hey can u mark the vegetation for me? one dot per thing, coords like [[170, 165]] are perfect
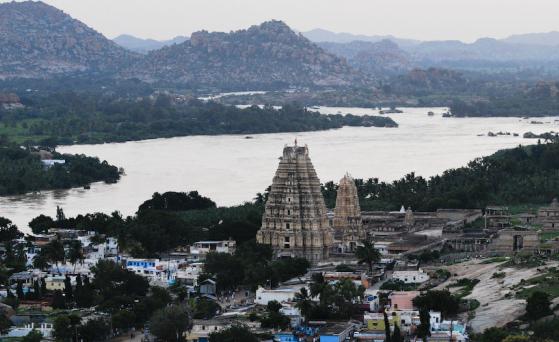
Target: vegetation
[[519, 175], [170, 323], [367, 254], [335, 301], [438, 300], [234, 333], [21, 171], [250, 266], [68, 118], [538, 305]]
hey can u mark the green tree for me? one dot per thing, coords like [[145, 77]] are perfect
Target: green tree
[[537, 305], [387, 336], [41, 224], [304, 303], [123, 319], [65, 327], [424, 329], [236, 333], [438, 300], [94, 330], [8, 230], [170, 323], [58, 300], [367, 254], [396, 335], [33, 336]]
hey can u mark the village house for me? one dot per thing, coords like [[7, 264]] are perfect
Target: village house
[[548, 217], [411, 277], [199, 249]]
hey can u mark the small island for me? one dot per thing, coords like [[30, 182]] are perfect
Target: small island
[[26, 170]]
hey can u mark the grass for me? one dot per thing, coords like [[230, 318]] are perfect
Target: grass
[[548, 283], [544, 236], [530, 208], [467, 286]]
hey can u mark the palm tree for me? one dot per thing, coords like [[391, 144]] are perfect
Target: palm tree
[[303, 302], [367, 254], [74, 253]]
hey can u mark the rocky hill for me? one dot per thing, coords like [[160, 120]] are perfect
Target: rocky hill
[[383, 58], [266, 56], [38, 40]]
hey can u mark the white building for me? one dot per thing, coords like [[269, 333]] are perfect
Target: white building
[[48, 163], [284, 294], [199, 249], [411, 277], [45, 329], [157, 271], [189, 275]]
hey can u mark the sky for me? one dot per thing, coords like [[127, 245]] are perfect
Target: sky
[[465, 20]]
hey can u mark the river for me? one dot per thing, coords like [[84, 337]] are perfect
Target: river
[[231, 169]]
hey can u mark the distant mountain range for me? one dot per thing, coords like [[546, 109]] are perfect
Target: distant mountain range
[[145, 45], [40, 41]]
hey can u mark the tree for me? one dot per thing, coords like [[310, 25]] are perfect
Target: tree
[[53, 252], [65, 327], [123, 319], [19, 290], [492, 334], [396, 335], [367, 254], [438, 300], [236, 333], [75, 253], [424, 329], [303, 302], [95, 330], [170, 323], [8, 230], [537, 306], [33, 336], [60, 217], [41, 224], [68, 291], [387, 336], [516, 338], [274, 318], [5, 324], [58, 301]]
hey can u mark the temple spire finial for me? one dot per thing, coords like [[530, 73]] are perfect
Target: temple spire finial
[[295, 141]]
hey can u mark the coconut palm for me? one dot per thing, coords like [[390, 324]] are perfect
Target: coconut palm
[[367, 254]]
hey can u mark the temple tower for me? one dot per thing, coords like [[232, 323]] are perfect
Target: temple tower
[[295, 221], [347, 223]]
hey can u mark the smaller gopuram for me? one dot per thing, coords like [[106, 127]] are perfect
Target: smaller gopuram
[[347, 223]]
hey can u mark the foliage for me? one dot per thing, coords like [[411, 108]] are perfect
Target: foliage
[[537, 305], [8, 230], [438, 300], [274, 318], [21, 171], [96, 329], [205, 308], [519, 175], [251, 265], [66, 118], [177, 201], [424, 329], [397, 285], [367, 254], [170, 323], [65, 327], [235, 333], [32, 336]]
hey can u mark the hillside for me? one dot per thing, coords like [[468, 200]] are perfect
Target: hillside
[[39, 40], [141, 45], [266, 56], [379, 58]]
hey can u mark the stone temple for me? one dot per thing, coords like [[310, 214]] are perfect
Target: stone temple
[[347, 222], [295, 221]]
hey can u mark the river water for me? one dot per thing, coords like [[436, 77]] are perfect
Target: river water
[[231, 169]]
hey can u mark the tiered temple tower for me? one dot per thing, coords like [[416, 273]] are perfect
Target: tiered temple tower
[[347, 223], [295, 221]]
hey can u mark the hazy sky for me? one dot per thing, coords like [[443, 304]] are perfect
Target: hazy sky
[[422, 19]]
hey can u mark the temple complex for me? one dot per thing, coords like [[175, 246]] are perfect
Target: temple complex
[[295, 221], [347, 223]]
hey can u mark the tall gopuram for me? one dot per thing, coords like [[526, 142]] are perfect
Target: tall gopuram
[[347, 223], [295, 221]]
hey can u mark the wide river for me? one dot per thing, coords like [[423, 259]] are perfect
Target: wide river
[[231, 169]]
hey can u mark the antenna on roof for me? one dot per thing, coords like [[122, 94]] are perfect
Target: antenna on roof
[[295, 141]]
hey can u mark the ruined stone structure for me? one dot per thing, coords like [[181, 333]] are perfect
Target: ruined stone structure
[[497, 218], [511, 241], [548, 217], [295, 222], [347, 223]]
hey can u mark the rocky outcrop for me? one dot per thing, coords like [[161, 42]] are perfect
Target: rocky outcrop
[[265, 56], [39, 40]]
